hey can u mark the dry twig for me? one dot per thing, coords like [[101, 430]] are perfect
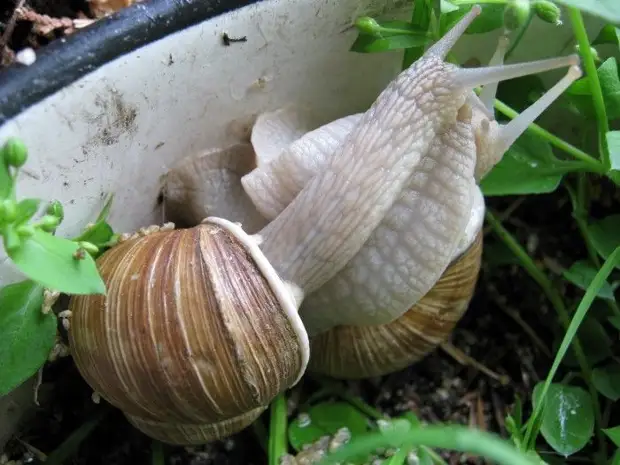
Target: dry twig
[[8, 31]]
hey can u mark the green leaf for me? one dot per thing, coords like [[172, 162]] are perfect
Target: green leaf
[[323, 419], [608, 35], [615, 460], [49, 261], [490, 19], [605, 235], [614, 321], [26, 335], [567, 418], [446, 7], [99, 234], [424, 457], [605, 9], [391, 35], [369, 44], [6, 181], [528, 167], [595, 341], [581, 95], [613, 434], [520, 93], [497, 254], [26, 209], [606, 379], [613, 142], [581, 274]]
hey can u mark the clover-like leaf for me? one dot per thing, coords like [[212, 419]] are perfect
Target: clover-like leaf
[[604, 235], [609, 34], [581, 274], [528, 167], [567, 418], [613, 142], [323, 419], [606, 379], [595, 341], [26, 334], [50, 261], [580, 92], [613, 434]]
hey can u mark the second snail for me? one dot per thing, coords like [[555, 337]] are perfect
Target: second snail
[[350, 249]]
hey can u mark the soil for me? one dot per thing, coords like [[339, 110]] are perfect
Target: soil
[[438, 389]]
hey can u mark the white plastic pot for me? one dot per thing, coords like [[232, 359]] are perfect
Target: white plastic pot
[[110, 109]]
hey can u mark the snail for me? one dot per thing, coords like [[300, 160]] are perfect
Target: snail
[[202, 326]]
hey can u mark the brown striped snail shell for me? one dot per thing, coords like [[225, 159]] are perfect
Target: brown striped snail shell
[[188, 354]]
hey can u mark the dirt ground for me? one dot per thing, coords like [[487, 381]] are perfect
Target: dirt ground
[[439, 388]]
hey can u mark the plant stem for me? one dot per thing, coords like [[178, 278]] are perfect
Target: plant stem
[[594, 165], [71, 444], [556, 300], [278, 445], [581, 35], [157, 453], [519, 36]]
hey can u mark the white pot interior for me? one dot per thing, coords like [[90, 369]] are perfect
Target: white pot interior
[[118, 129]]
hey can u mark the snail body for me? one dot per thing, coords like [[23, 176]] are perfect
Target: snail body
[[201, 327]]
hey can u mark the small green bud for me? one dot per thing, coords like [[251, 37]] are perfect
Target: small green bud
[[89, 247], [593, 51], [368, 25], [26, 231], [516, 14], [14, 152], [8, 211], [48, 223], [548, 12], [56, 209]]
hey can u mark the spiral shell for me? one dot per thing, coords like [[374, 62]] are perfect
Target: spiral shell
[[354, 352], [191, 342]]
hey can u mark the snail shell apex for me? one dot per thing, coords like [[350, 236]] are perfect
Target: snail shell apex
[[186, 352]]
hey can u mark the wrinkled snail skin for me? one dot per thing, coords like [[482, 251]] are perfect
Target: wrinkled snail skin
[[208, 184], [356, 352], [200, 328]]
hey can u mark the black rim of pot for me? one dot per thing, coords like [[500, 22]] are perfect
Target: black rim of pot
[[66, 60]]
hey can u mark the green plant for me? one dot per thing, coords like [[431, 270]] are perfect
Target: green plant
[[567, 413], [51, 264]]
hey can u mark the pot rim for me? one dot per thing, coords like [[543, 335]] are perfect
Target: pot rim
[[66, 60]]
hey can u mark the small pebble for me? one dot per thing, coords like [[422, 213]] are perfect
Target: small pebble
[[26, 56]]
